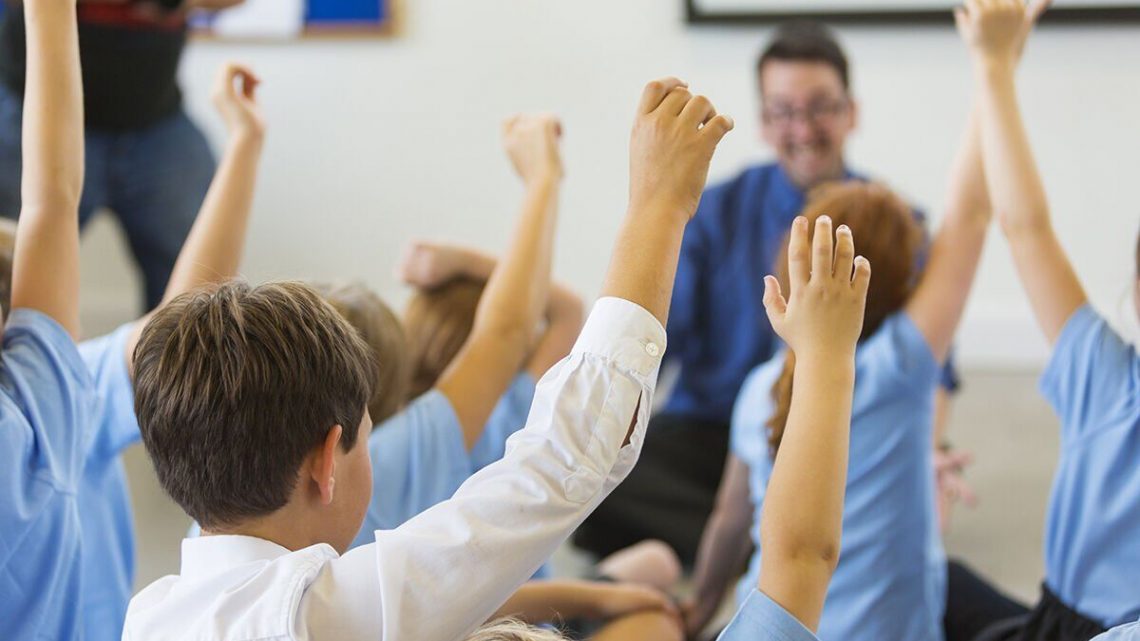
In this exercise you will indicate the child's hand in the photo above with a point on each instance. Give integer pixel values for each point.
(429, 265)
(674, 137)
(996, 30)
(824, 314)
(616, 600)
(531, 142)
(237, 104)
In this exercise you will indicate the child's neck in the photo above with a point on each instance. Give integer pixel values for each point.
(290, 527)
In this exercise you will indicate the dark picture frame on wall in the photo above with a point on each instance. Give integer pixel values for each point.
(759, 12)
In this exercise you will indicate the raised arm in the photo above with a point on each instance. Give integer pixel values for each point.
(45, 269)
(515, 295)
(213, 249)
(724, 548)
(803, 506)
(428, 265)
(1011, 173)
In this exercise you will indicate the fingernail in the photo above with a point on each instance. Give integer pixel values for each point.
(825, 219)
(844, 229)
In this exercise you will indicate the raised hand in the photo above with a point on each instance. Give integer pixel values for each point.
(234, 98)
(428, 265)
(996, 30)
(674, 137)
(824, 313)
(531, 142)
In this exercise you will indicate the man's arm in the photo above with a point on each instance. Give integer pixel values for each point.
(1011, 172)
(516, 292)
(45, 269)
(213, 249)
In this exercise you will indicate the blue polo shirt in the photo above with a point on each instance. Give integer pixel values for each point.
(762, 619)
(46, 405)
(1130, 632)
(891, 579)
(718, 330)
(1092, 535)
(419, 457)
(104, 500)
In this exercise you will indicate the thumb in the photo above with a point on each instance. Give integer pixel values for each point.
(962, 21)
(774, 302)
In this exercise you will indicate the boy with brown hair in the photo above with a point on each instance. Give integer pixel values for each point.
(251, 402)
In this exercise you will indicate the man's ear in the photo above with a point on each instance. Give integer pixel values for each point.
(323, 464)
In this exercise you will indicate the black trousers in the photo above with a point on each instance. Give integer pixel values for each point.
(670, 493)
(976, 611)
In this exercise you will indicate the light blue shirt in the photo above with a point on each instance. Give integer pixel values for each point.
(104, 500)
(891, 578)
(1092, 535)
(419, 457)
(46, 404)
(1130, 632)
(762, 619)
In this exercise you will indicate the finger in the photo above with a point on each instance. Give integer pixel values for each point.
(861, 281)
(249, 81)
(1036, 9)
(675, 102)
(962, 21)
(822, 248)
(656, 91)
(844, 254)
(799, 258)
(699, 111)
(224, 83)
(717, 128)
(774, 302)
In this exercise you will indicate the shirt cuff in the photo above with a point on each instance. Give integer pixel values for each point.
(762, 618)
(624, 332)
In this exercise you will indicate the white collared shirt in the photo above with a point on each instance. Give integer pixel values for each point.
(441, 574)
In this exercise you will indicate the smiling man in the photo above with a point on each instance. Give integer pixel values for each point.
(717, 327)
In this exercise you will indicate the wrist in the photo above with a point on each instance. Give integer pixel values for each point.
(545, 179)
(247, 138)
(659, 214)
(995, 66)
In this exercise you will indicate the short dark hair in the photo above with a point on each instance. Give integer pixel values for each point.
(235, 385)
(806, 41)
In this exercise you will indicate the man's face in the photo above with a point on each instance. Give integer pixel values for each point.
(806, 117)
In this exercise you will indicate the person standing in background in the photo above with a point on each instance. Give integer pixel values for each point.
(146, 161)
(717, 327)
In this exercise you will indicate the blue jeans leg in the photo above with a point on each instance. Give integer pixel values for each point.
(158, 179)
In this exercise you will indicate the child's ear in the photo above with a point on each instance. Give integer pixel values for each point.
(323, 467)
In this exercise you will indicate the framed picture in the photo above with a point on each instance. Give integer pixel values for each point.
(269, 20)
(886, 11)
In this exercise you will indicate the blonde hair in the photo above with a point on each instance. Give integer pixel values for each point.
(438, 322)
(7, 255)
(513, 630)
(382, 331)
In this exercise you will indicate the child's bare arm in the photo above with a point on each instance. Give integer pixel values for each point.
(1011, 172)
(516, 292)
(803, 507)
(555, 601)
(45, 270)
(213, 250)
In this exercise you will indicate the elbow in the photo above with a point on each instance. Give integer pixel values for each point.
(804, 550)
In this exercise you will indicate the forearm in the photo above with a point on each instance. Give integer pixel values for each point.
(644, 262)
(517, 289)
(723, 544)
(803, 508)
(551, 601)
(213, 250)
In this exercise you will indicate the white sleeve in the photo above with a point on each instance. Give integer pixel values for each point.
(440, 575)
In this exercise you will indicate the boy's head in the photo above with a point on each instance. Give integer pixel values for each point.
(513, 630)
(438, 322)
(7, 253)
(252, 400)
(381, 330)
(807, 112)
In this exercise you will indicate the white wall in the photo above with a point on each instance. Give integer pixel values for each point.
(373, 142)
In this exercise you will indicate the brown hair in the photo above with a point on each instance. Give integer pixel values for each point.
(887, 234)
(438, 322)
(7, 254)
(806, 41)
(382, 331)
(235, 385)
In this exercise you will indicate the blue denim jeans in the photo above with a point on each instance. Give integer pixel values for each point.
(152, 179)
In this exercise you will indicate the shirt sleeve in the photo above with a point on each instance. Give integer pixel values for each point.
(47, 400)
(762, 619)
(1093, 375)
(418, 459)
(897, 355)
(1130, 632)
(508, 417)
(510, 517)
(116, 426)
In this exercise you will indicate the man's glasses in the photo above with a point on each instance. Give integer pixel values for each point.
(818, 112)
